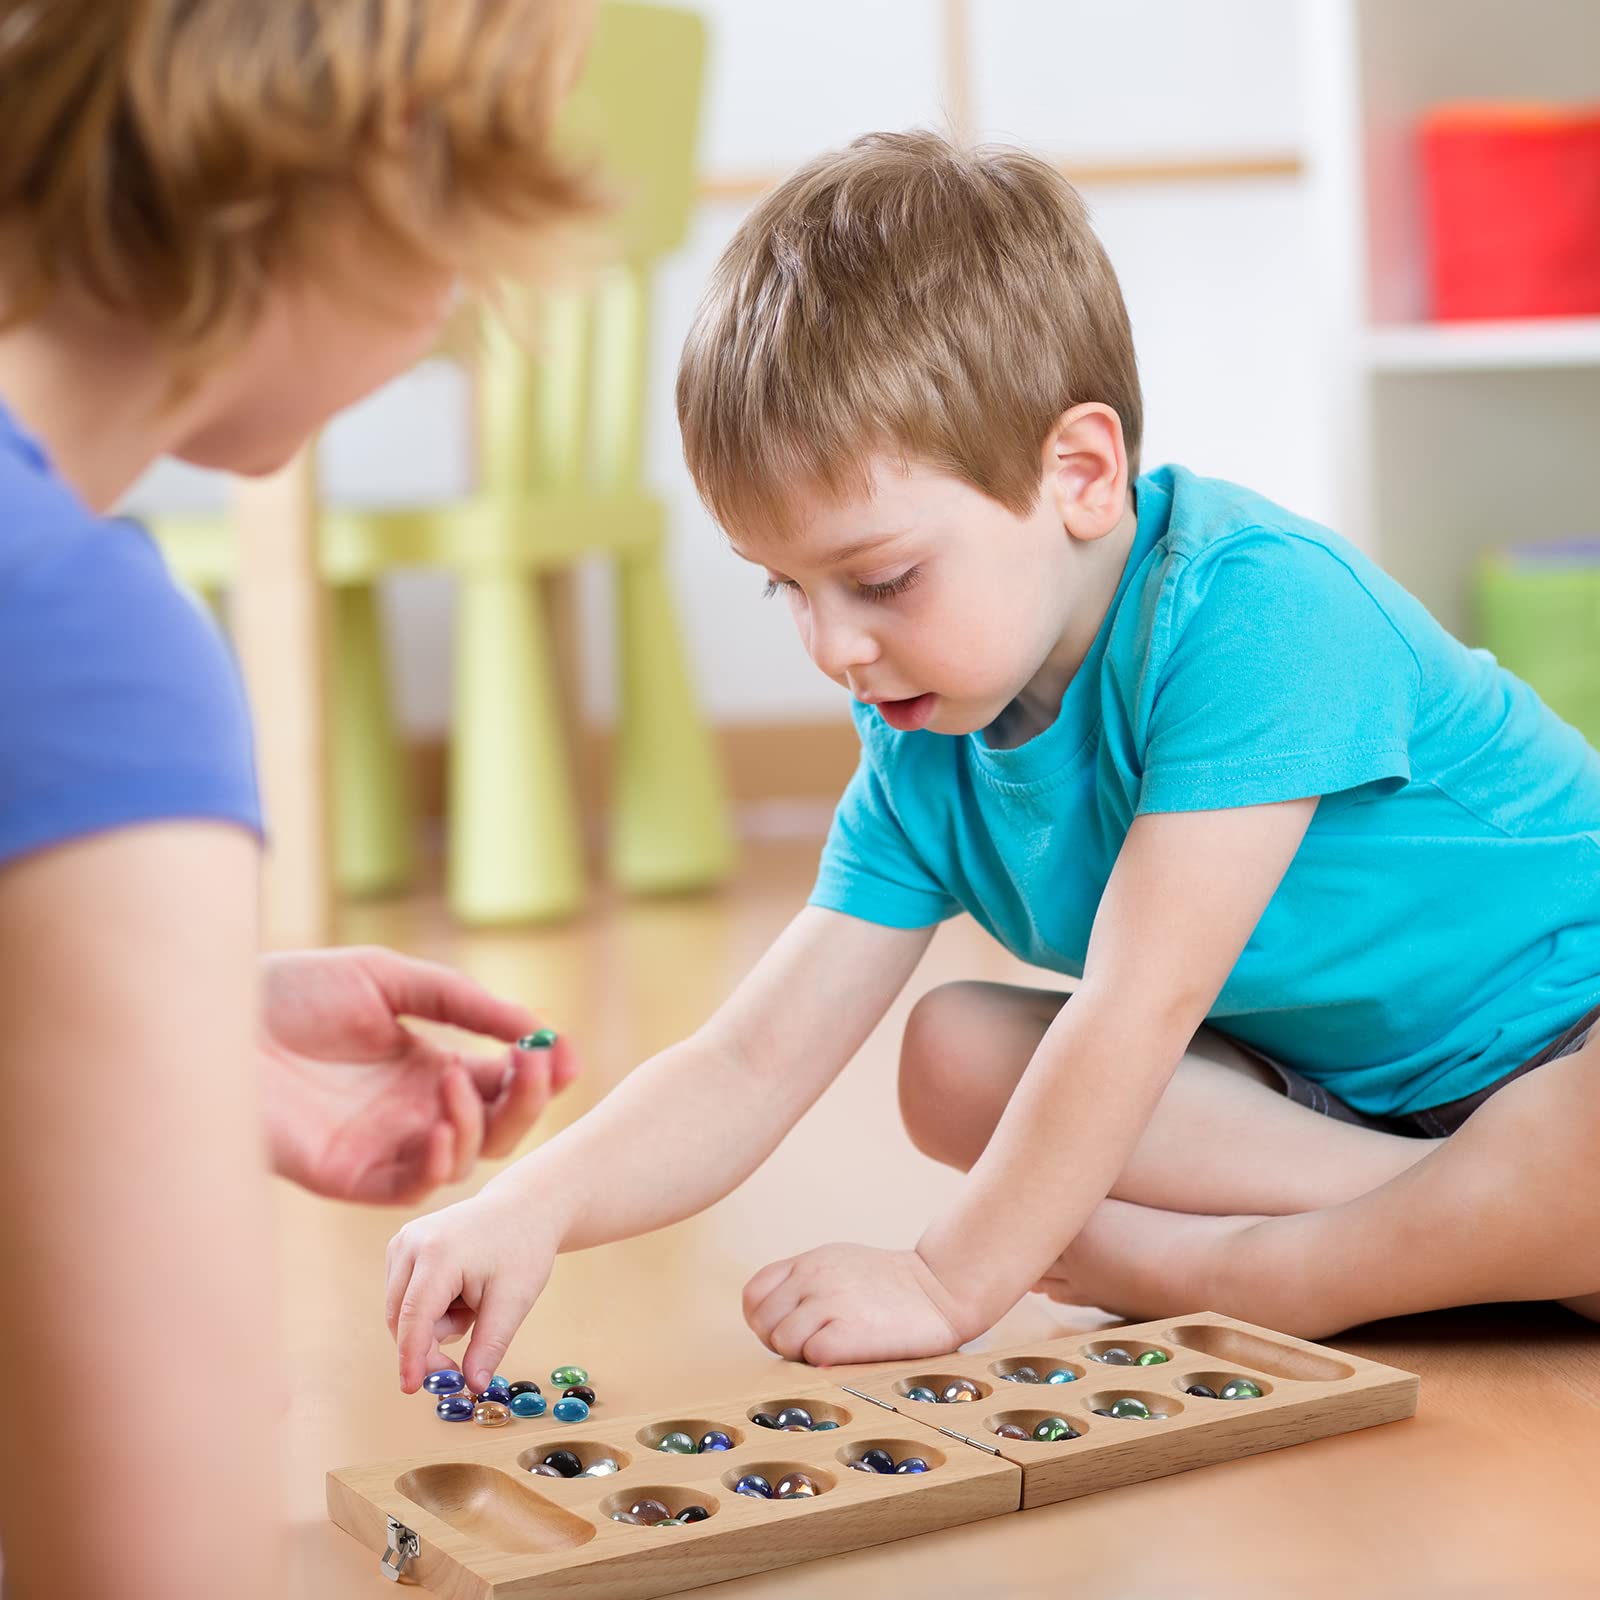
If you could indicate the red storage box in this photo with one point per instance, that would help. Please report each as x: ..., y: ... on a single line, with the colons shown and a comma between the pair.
x: 1512, y: 202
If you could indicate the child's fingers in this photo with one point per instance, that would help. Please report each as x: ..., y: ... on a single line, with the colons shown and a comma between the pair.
x: 828, y: 1346
x: 789, y: 1337
x: 762, y: 1285
x: 527, y: 1093
x: 464, y: 1109
x: 425, y: 1299
x: 499, y: 1317
x: 778, y: 1305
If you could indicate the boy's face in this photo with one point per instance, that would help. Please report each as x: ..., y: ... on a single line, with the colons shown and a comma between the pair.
x: 926, y: 599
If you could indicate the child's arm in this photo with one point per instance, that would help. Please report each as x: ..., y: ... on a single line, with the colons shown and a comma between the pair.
x: 135, y: 1220
x: 1185, y: 894
x: 675, y: 1136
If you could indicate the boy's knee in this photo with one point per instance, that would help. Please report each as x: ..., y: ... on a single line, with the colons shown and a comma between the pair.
x: 933, y: 1054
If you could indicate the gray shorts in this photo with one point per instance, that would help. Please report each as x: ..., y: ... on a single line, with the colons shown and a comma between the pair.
x: 1435, y: 1122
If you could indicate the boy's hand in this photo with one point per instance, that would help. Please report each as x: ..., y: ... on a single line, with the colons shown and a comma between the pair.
x: 360, y: 1107
x: 850, y: 1302
x: 484, y: 1261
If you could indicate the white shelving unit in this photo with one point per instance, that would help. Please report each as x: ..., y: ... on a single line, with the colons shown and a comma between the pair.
x: 1450, y: 438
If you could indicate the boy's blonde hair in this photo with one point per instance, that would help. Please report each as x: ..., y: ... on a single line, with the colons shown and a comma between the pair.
x: 902, y: 297
x: 166, y: 157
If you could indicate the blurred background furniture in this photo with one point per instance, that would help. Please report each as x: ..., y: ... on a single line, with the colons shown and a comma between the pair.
x: 560, y: 435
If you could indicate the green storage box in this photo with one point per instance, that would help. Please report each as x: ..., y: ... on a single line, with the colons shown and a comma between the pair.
x: 1538, y: 610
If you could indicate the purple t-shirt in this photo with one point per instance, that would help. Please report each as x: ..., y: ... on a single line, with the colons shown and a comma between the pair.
x: 119, y: 700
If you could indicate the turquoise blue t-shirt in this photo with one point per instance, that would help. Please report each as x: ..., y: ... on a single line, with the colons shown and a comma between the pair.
x: 1441, y: 920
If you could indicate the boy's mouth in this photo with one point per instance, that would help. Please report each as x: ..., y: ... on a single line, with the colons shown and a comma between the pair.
x: 906, y: 716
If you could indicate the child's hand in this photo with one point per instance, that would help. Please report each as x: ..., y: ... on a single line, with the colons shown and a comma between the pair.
x: 359, y: 1106
x: 484, y: 1261
x: 849, y: 1302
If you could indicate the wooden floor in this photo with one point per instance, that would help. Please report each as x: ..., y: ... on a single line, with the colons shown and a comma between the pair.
x: 1491, y: 1490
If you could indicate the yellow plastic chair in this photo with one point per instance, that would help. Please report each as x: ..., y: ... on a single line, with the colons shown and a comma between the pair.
x: 561, y: 438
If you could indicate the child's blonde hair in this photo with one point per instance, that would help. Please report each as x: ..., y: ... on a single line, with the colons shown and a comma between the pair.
x: 166, y: 157
x: 903, y: 297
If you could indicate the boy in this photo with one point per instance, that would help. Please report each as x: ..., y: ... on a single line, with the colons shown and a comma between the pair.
x: 1152, y: 732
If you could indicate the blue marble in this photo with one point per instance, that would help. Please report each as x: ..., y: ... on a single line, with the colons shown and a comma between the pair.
x: 1060, y: 1375
x: 911, y: 1464
x: 878, y: 1460
x: 499, y: 1392
x: 920, y: 1391
x: 527, y: 1404
x: 794, y: 1417
x: 570, y: 1409
x: 445, y: 1381
x: 456, y: 1408
x: 715, y: 1440
x: 753, y: 1483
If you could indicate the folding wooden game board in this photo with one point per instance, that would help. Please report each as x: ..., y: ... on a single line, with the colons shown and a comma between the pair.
x: 469, y: 1522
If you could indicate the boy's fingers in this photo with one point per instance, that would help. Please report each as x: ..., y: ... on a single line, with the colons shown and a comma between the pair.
x: 775, y: 1308
x: 526, y: 1094
x: 790, y: 1335
x: 426, y: 1298
x: 764, y: 1282
x: 435, y: 993
x: 499, y: 1317
x: 827, y: 1347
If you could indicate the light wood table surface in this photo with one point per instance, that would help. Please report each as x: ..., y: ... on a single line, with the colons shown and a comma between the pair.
x: 1491, y: 1490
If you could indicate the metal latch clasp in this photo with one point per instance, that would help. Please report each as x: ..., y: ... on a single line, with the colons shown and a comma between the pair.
x: 403, y: 1547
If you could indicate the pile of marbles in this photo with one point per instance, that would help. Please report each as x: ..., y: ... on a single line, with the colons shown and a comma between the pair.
x: 1028, y: 1375
x: 1116, y: 1356
x: 652, y: 1514
x: 960, y: 1391
x: 1129, y: 1409
x: 564, y: 1464
x: 879, y: 1460
x: 1239, y: 1389
x: 792, y: 1419
x: 796, y: 1486
x: 503, y: 1400
x: 683, y: 1444
x: 1046, y: 1432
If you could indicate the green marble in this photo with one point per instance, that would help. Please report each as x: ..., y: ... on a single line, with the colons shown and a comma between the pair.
x: 1129, y: 1407
x: 1153, y: 1358
x: 677, y: 1444
x: 565, y: 1377
x: 1053, y: 1428
x: 542, y: 1040
x: 1241, y: 1389
x: 922, y: 1392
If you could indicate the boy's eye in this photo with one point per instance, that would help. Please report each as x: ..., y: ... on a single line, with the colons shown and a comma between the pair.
x: 887, y: 591
x: 776, y: 585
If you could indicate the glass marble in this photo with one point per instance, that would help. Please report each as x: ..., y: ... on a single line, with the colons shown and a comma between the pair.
x: 796, y: 1486
x: 627, y: 1516
x: 1202, y: 1391
x: 693, y: 1514
x: 603, y: 1468
x: 911, y: 1464
x: 764, y: 1419
x: 752, y: 1483
x: 878, y: 1460
x: 1060, y: 1375
x: 676, y: 1444
x: 445, y: 1381
x: 960, y: 1392
x: 541, y: 1040
x: 455, y: 1407
x: 490, y: 1414
x: 1010, y: 1430
x: 1152, y: 1358
x: 670, y: 1522
x: 1101, y: 1411
x: 525, y: 1386
x: 794, y: 1427
x: 1241, y: 1389
x: 1053, y: 1428
x: 580, y: 1391
x: 921, y: 1392
x: 565, y: 1462
x: 1022, y: 1375
x: 1129, y: 1407
x: 794, y: 1417
x: 823, y: 1427
x: 527, y: 1404
x: 500, y: 1393
x: 1116, y: 1356
x: 649, y: 1512
x: 858, y: 1466
x: 565, y: 1377
x: 570, y: 1410
x: 715, y: 1440
x: 540, y: 1470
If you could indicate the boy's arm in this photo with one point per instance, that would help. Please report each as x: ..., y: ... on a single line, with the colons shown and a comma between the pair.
x: 676, y: 1135
x: 1183, y: 898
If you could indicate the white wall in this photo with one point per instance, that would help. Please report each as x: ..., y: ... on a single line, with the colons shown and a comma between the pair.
x: 1217, y: 277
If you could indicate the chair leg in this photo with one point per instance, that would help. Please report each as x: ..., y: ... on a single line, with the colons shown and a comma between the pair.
x: 515, y: 852
x: 670, y: 827
x: 374, y: 802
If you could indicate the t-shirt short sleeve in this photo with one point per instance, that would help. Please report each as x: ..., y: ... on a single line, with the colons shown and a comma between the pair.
x: 869, y: 868
x: 1277, y: 675
x: 119, y: 701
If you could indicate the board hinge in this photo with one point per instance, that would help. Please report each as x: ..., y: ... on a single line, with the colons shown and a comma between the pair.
x: 404, y: 1546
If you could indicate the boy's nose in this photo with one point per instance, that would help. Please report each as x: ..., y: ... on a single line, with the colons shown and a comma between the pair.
x: 837, y: 647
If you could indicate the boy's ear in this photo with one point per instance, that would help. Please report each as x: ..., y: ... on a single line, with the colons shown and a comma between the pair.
x: 1086, y: 469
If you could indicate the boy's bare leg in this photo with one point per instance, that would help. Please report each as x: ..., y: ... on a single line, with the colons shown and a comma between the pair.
x: 1223, y: 1140
x: 1507, y: 1208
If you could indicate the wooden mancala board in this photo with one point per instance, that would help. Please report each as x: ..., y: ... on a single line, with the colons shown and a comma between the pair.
x: 469, y: 1522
